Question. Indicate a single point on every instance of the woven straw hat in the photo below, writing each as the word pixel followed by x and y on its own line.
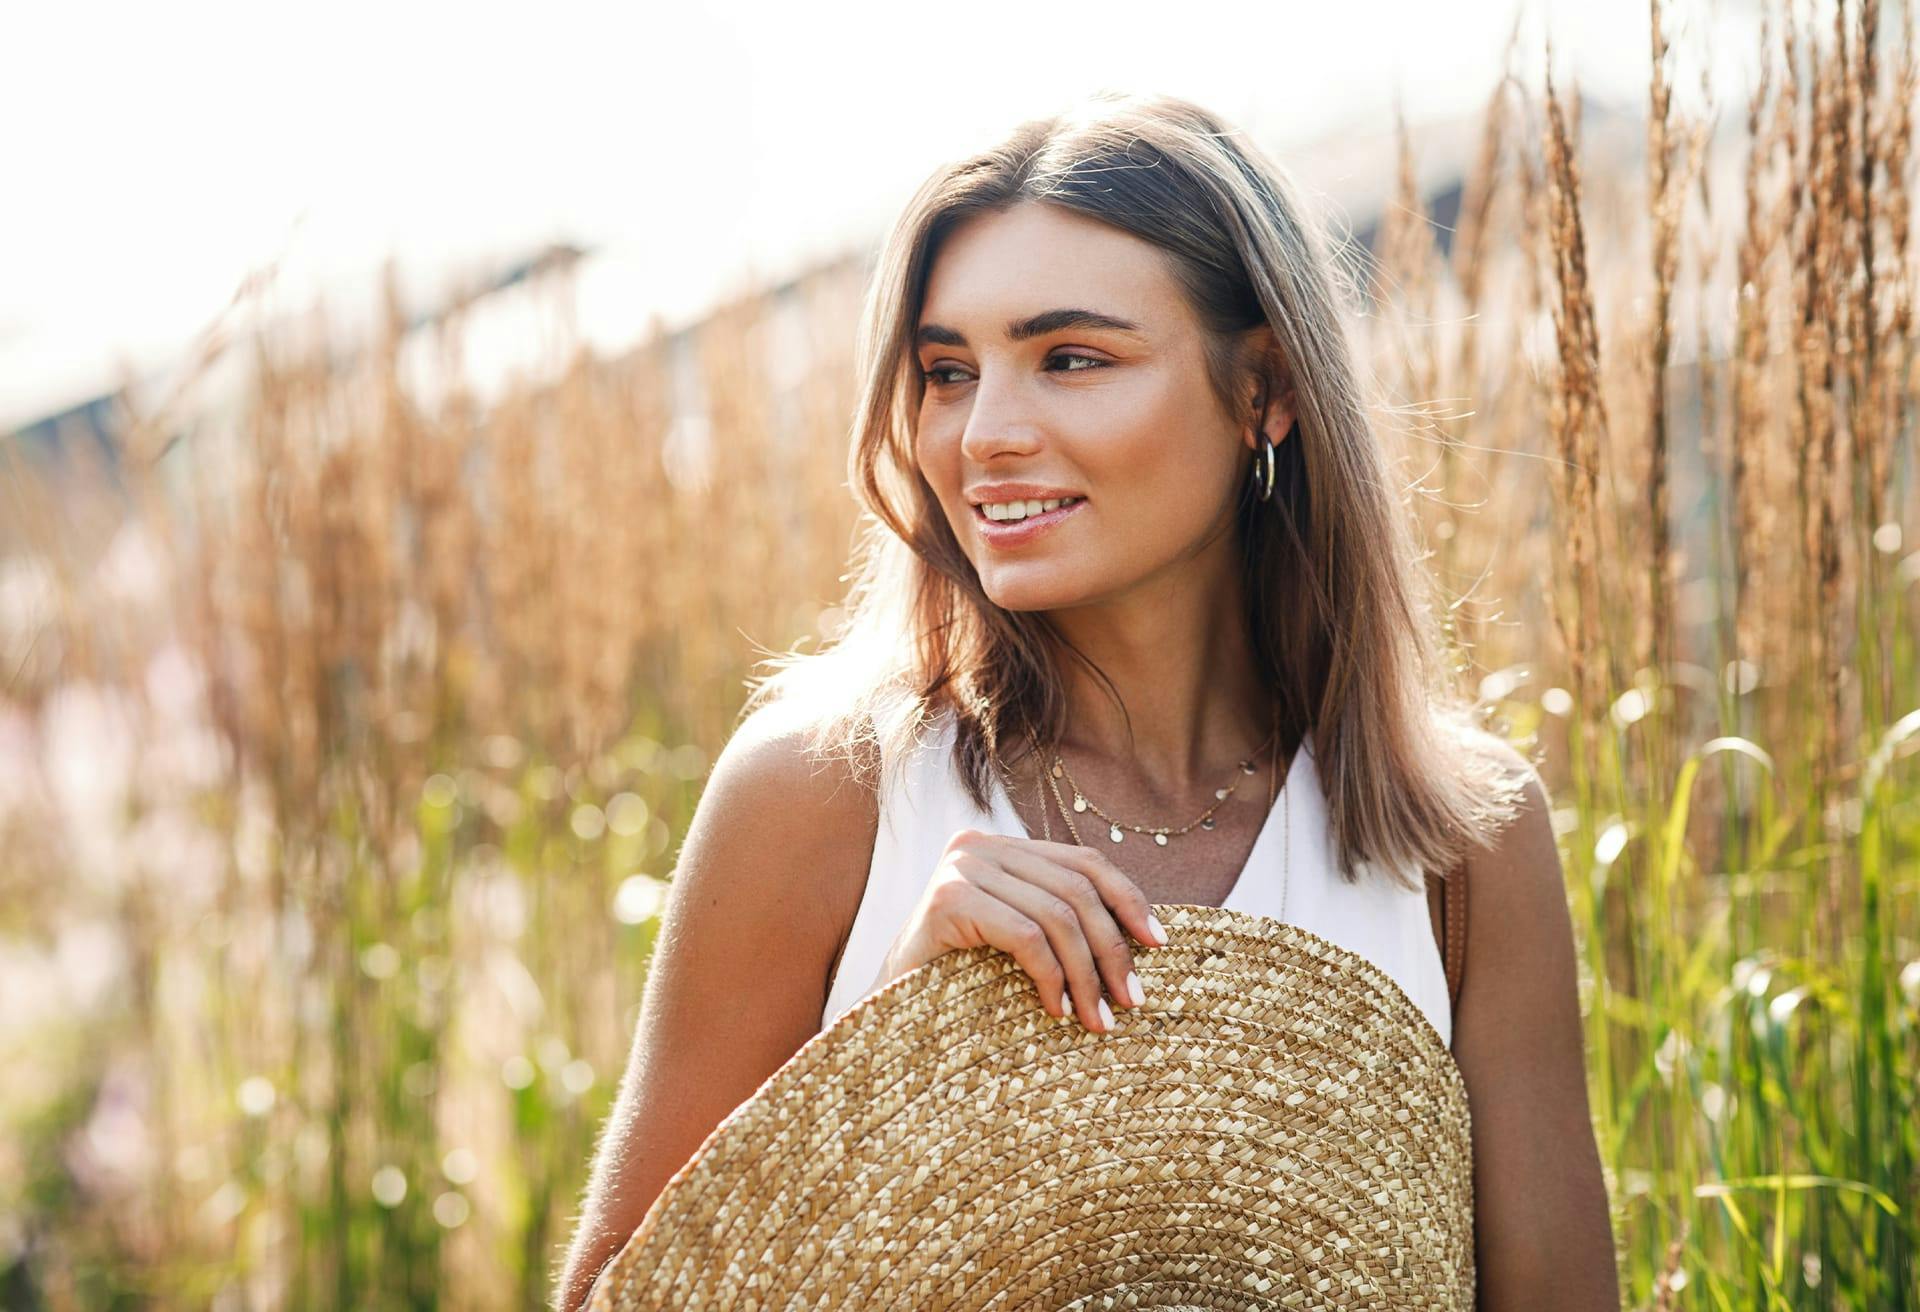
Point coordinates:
pixel 1279 1126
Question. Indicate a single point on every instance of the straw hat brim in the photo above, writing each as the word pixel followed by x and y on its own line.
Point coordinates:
pixel 1280 1125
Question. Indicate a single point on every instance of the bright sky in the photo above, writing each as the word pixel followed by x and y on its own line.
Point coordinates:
pixel 157 152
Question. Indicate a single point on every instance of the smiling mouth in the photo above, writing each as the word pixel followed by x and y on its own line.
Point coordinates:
pixel 1063 503
pixel 1018 532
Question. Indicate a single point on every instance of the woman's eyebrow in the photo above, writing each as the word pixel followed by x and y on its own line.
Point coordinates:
pixel 1019 330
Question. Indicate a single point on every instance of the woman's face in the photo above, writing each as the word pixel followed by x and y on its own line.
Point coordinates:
pixel 1061 355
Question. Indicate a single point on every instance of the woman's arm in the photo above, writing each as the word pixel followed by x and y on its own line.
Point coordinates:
pixel 770 875
pixel 1542 1234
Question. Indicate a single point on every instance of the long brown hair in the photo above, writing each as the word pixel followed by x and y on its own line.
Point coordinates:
pixel 1337 596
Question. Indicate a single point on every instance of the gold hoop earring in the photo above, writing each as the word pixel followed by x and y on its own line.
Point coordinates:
pixel 1263 464
pixel 1263 470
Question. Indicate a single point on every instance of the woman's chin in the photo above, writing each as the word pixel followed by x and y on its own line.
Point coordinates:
pixel 1008 591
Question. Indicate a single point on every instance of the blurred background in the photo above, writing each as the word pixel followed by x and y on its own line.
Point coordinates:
pixel 415 421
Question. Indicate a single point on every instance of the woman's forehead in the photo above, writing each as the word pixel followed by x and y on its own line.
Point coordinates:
pixel 997 271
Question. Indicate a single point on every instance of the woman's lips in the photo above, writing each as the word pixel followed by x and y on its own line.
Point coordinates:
pixel 1019 532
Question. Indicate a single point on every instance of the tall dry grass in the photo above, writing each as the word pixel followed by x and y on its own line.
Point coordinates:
pixel 396 753
pixel 1729 605
pixel 348 739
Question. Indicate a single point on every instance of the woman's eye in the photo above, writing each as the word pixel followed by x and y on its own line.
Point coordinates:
pixel 937 377
pixel 1084 359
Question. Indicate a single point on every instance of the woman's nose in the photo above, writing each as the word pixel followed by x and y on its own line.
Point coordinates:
pixel 998 422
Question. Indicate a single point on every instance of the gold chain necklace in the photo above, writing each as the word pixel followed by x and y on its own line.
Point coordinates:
pixel 1059 771
pixel 1161 833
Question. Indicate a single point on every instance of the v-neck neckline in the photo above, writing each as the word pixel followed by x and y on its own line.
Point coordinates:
pixel 1006 822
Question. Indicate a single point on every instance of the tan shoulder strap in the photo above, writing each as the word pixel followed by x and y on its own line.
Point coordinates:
pixel 1447 902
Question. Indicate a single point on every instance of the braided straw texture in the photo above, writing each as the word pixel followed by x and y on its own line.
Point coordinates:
pixel 1280 1126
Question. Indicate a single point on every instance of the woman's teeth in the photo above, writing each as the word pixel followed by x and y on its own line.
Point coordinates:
pixel 1022 509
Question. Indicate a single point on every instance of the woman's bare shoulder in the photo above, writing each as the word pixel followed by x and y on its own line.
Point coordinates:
pixel 778 744
pixel 786 824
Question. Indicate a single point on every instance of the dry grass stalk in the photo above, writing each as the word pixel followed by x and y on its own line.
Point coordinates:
pixel 1762 235
pixel 1891 346
pixel 1666 188
pixel 1470 262
pixel 1577 414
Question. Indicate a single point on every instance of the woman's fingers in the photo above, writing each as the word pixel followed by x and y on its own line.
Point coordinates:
pixel 976 906
pixel 1065 939
pixel 1062 911
pixel 1073 907
pixel 1076 898
pixel 1126 904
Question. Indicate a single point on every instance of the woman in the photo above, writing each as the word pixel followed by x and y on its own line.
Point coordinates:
pixel 1134 545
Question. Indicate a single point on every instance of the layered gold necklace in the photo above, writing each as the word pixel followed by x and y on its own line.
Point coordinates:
pixel 1117 830
pixel 1162 834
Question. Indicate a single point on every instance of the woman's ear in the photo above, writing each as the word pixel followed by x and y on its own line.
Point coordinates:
pixel 1279 419
pixel 1268 393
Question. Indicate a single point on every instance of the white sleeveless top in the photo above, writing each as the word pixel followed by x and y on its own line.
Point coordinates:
pixel 1373 916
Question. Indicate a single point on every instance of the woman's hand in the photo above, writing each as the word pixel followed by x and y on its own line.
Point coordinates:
pixel 1061 910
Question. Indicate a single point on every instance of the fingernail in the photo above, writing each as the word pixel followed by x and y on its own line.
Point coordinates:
pixel 1159 930
pixel 1106 1015
pixel 1135 993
